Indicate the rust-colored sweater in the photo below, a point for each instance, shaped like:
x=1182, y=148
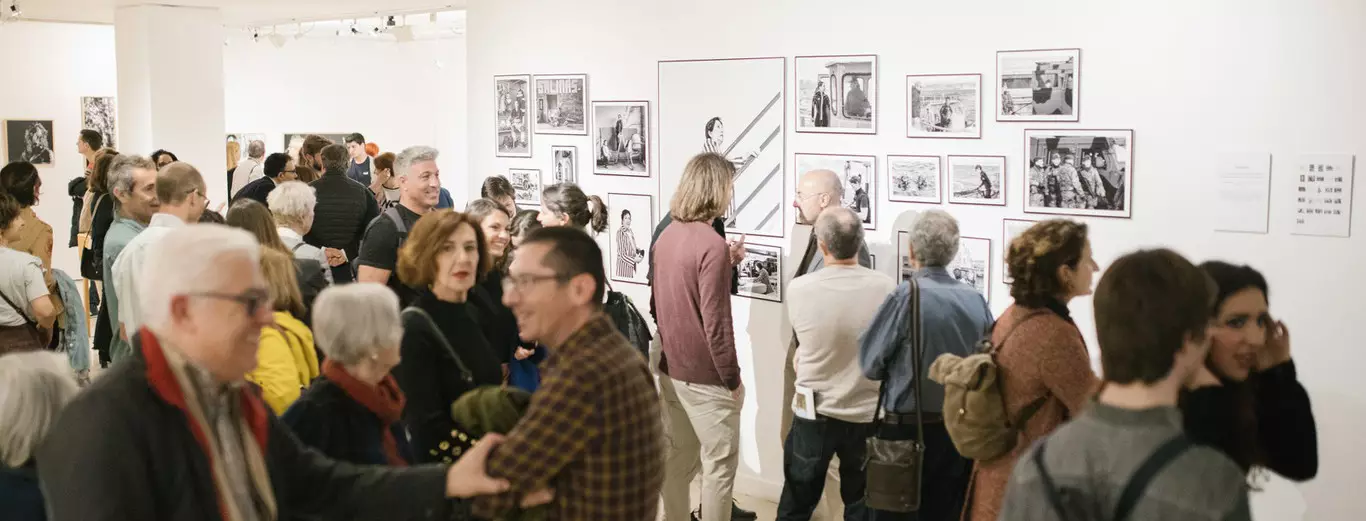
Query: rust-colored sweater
x=692, y=297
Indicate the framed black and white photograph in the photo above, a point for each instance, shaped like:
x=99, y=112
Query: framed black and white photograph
x=915, y=179
x=1010, y=229
x=526, y=183
x=972, y=265
x=858, y=175
x=761, y=273
x=621, y=145
x=1038, y=85
x=944, y=106
x=903, y=255
x=837, y=94
x=294, y=141
x=977, y=180
x=98, y=114
x=1079, y=172
x=630, y=221
x=564, y=164
x=561, y=102
x=29, y=140
x=513, y=117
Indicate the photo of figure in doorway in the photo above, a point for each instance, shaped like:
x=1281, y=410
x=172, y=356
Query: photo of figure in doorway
x=560, y=103
x=1039, y=85
x=837, y=94
x=620, y=143
x=858, y=176
x=513, y=128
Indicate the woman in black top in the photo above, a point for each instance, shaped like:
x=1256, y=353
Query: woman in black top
x=101, y=214
x=444, y=352
x=1248, y=403
x=500, y=326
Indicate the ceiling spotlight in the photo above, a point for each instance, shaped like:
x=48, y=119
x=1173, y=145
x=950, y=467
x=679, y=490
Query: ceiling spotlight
x=14, y=11
x=277, y=39
x=391, y=22
x=255, y=35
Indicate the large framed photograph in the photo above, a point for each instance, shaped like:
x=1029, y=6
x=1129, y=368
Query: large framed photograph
x=564, y=164
x=513, y=127
x=1038, y=85
x=621, y=142
x=734, y=108
x=98, y=114
x=561, y=100
x=972, y=265
x=903, y=256
x=837, y=94
x=29, y=140
x=977, y=180
x=1010, y=229
x=295, y=140
x=630, y=221
x=944, y=106
x=1079, y=172
x=526, y=183
x=915, y=179
x=761, y=273
x=858, y=175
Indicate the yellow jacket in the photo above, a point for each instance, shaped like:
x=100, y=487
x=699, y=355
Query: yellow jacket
x=286, y=361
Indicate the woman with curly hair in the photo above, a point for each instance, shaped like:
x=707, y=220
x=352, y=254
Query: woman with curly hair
x=1045, y=369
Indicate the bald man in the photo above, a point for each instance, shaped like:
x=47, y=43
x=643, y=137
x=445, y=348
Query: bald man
x=816, y=191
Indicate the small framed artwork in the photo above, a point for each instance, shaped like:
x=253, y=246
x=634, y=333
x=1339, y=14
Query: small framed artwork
x=761, y=273
x=630, y=222
x=1079, y=172
x=561, y=101
x=915, y=179
x=513, y=127
x=29, y=140
x=872, y=261
x=98, y=114
x=972, y=266
x=1010, y=229
x=564, y=164
x=977, y=180
x=621, y=144
x=526, y=183
x=837, y=94
x=858, y=174
x=1038, y=85
x=944, y=106
x=903, y=254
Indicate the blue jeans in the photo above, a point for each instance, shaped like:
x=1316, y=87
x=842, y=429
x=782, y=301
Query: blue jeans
x=806, y=459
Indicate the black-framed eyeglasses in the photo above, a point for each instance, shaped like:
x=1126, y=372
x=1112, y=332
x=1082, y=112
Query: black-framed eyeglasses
x=254, y=300
x=520, y=282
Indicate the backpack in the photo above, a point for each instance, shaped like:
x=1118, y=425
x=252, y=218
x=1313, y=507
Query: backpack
x=974, y=407
x=629, y=321
x=1071, y=504
x=399, y=228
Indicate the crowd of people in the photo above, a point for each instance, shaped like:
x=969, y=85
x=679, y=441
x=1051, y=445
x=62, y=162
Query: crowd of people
x=344, y=348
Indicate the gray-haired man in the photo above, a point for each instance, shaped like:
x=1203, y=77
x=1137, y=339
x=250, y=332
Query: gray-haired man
x=249, y=169
x=419, y=190
x=953, y=316
x=133, y=183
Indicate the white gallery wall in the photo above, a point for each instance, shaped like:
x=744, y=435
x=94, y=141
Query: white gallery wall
x=1195, y=81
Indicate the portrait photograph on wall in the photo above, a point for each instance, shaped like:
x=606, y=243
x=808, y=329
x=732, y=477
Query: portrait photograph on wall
x=1038, y=85
x=621, y=145
x=977, y=180
x=527, y=185
x=560, y=104
x=1079, y=172
x=564, y=164
x=944, y=106
x=98, y=114
x=972, y=265
x=1010, y=229
x=914, y=179
x=734, y=108
x=512, y=123
x=761, y=273
x=29, y=140
x=630, y=223
x=858, y=176
x=836, y=94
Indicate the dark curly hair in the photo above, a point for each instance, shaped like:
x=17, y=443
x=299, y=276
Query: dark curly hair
x=1033, y=259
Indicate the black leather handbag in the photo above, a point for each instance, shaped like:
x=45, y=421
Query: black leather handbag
x=894, y=467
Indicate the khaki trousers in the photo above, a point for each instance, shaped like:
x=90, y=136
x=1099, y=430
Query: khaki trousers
x=702, y=428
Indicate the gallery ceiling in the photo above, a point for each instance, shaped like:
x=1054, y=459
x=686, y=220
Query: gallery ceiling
x=236, y=13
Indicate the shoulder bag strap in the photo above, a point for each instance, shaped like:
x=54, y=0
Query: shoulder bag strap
x=18, y=309
x=1050, y=487
x=465, y=374
x=1138, y=483
x=917, y=341
x=914, y=340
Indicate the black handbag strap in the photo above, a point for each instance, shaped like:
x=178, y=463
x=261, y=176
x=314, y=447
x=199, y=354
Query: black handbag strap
x=1054, y=498
x=19, y=310
x=1133, y=490
x=465, y=374
x=914, y=340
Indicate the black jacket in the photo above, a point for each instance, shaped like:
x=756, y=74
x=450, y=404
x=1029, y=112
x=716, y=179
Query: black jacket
x=256, y=190
x=344, y=209
x=328, y=419
x=1281, y=427
x=20, y=498
x=124, y=449
x=76, y=189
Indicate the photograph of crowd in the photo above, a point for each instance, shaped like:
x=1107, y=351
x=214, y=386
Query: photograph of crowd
x=837, y=94
x=560, y=103
x=1039, y=85
x=619, y=138
x=858, y=175
x=1079, y=172
x=513, y=127
x=914, y=179
x=977, y=180
x=761, y=273
x=944, y=106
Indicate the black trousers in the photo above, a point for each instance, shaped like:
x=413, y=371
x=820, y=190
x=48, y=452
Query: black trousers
x=944, y=478
x=811, y=444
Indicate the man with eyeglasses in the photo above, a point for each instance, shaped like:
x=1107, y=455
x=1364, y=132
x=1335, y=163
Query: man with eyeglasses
x=180, y=191
x=176, y=433
x=279, y=168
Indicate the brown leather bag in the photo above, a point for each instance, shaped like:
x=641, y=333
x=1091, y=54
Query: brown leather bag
x=894, y=467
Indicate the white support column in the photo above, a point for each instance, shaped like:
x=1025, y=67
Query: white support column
x=170, y=70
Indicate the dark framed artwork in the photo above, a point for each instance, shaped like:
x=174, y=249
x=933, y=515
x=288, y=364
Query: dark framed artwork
x=1079, y=172
x=945, y=106
x=561, y=104
x=29, y=140
x=915, y=179
x=621, y=138
x=1038, y=85
x=836, y=94
x=630, y=222
x=977, y=180
x=512, y=116
x=99, y=113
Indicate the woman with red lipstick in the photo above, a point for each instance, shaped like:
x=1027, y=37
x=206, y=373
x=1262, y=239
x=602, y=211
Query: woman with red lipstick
x=1248, y=402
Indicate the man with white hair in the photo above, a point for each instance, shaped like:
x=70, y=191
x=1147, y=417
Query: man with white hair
x=291, y=203
x=34, y=386
x=419, y=189
x=953, y=317
x=176, y=434
x=133, y=183
x=249, y=169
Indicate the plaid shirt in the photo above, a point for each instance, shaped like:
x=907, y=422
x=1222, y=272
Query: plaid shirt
x=593, y=433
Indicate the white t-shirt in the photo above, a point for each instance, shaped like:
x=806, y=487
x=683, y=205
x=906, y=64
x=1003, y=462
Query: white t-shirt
x=829, y=309
x=21, y=282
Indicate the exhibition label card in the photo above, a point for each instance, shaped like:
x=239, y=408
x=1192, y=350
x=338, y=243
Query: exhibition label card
x=1323, y=195
x=1244, y=193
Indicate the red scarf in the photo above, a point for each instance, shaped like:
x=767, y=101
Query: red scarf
x=385, y=400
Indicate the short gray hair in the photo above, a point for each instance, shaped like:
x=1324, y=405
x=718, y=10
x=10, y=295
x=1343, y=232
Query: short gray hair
x=413, y=155
x=292, y=203
x=187, y=260
x=935, y=238
x=121, y=172
x=335, y=157
x=352, y=322
x=256, y=149
x=34, y=386
x=841, y=231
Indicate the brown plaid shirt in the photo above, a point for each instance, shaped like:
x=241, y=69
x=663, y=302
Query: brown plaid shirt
x=593, y=433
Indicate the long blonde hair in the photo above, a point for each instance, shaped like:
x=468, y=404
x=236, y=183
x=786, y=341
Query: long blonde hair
x=278, y=269
x=705, y=191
